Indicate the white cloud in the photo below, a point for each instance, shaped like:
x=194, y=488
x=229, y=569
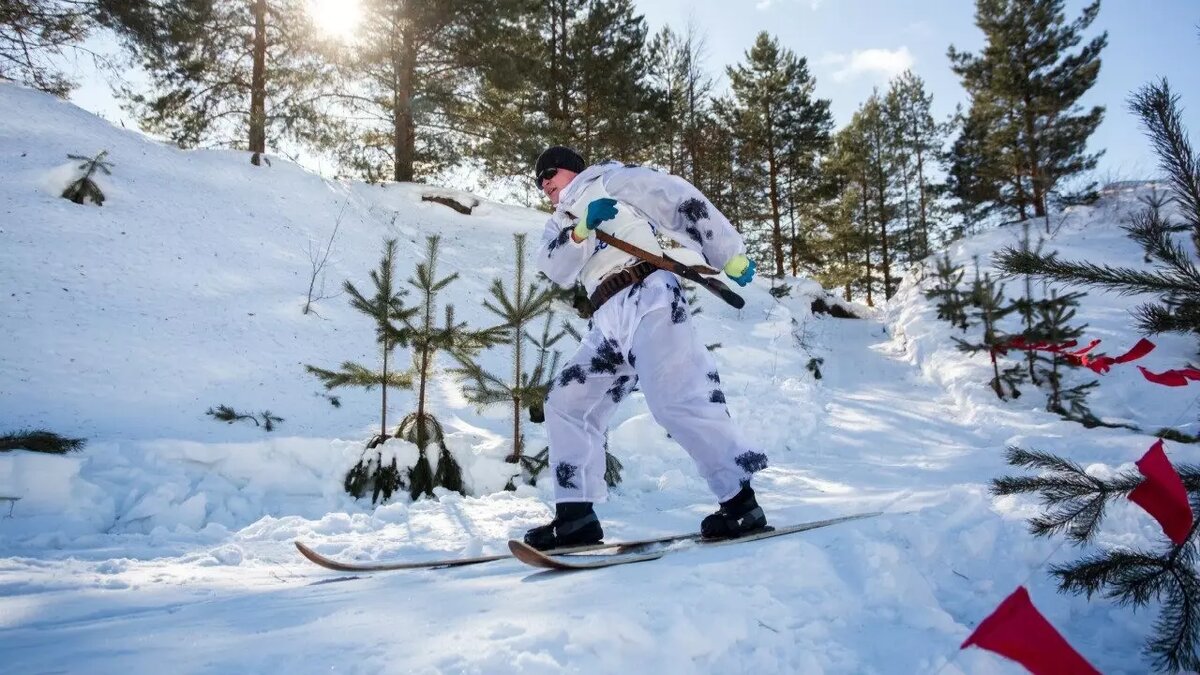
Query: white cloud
x=766, y=4
x=880, y=63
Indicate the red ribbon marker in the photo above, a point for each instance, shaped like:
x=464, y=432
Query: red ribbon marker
x=1018, y=631
x=1162, y=494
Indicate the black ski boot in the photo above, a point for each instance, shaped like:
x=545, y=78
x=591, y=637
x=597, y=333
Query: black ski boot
x=574, y=524
x=736, y=517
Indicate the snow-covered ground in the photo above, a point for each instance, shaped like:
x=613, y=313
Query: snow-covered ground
x=166, y=545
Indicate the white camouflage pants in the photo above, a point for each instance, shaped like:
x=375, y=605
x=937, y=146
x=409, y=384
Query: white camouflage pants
x=642, y=336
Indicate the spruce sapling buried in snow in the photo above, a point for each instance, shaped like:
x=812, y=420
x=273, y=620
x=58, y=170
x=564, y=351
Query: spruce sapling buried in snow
x=517, y=308
x=1053, y=325
x=83, y=189
x=224, y=413
x=41, y=440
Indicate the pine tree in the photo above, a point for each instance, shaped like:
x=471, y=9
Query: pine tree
x=386, y=308
x=34, y=32
x=517, y=308
x=780, y=126
x=579, y=79
x=1075, y=502
x=229, y=73
x=839, y=245
x=919, y=139
x=976, y=166
x=421, y=427
x=402, y=82
x=1175, y=278
x=1025, y=85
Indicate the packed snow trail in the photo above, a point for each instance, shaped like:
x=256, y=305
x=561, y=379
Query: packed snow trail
x=893, y=594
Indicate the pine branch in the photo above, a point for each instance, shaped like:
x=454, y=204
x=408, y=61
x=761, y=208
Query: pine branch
x=1140, y=577
x=1075, y=500
x=1159, y=110
x=1122, y=280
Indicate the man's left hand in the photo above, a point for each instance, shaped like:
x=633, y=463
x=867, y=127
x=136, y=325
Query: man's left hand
x=740, y=269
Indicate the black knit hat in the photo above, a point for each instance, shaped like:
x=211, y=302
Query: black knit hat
x=558, y=157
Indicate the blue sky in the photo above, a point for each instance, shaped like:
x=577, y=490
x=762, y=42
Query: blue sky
x=855, y=45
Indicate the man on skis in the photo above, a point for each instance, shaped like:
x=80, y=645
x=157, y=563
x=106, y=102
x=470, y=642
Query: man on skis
x=640, y=335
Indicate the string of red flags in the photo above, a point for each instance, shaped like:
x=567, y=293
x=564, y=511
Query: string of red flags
x=1162, y=494
x=1017, y=630
x=1102, y=364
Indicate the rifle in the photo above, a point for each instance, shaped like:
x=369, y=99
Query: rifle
x=689, y=272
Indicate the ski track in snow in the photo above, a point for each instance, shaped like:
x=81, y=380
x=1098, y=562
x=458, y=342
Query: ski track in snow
x=871, y=596
x=166, y=546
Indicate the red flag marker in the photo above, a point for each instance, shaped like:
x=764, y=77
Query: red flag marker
x=1162, y=494
x=1172, y=378
x=1016, y=630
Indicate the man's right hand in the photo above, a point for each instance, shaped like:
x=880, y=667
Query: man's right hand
x=599, y=210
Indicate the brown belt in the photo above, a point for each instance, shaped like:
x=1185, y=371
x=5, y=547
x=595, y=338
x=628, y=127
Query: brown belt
x=618, y=281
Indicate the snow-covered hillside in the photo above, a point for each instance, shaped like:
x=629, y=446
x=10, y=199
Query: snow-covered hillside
x=167, y=543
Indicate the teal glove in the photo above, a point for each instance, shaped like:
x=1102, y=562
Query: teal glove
x=599, y=210
x=740, y=269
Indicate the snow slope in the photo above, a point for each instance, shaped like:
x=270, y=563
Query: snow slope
x=166, y=543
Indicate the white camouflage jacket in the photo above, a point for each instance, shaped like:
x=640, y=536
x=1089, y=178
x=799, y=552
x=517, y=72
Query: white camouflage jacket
x=647, y=202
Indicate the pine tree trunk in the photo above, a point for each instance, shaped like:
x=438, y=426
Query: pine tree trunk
x=886, y=260
x=923, y=204
x=518, y=333
x=258, y=85
x=1035, y=169
x=404, y=68
x=518, y=448
x=560, y=102
x=773, y=171
x=866, y=219
x=383, y=405
x=846, y=262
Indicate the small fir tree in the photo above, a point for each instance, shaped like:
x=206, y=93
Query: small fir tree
x=1026, y=304
x=386, y=308
x=83, y=189
x=517, y=308
x=951, y=303
x=1075, y=501
x=420, y=426
x=988, y=300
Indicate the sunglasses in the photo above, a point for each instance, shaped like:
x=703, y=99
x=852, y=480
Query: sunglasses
x=545, y=175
